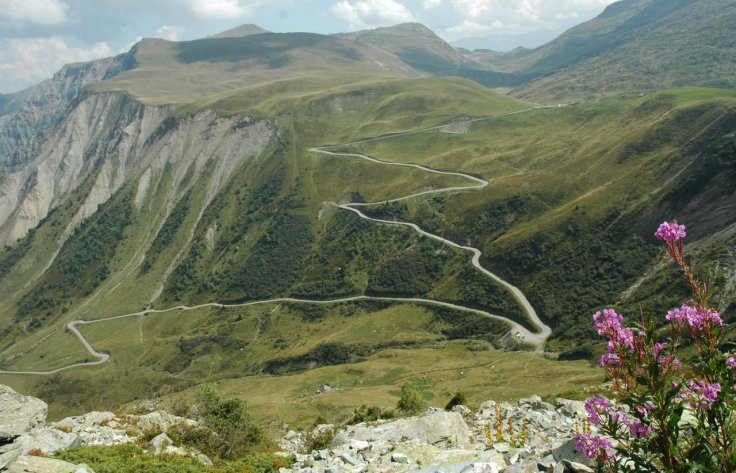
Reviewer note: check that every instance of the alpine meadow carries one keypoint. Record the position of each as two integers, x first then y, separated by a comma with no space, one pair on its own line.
280,239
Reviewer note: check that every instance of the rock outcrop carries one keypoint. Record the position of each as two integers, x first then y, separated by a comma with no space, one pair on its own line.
28,438
19,414
529,436
113,139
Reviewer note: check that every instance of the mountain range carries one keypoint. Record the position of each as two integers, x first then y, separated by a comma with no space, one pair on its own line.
205,175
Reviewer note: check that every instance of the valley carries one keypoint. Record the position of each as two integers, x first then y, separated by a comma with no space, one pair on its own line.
275,211
524,335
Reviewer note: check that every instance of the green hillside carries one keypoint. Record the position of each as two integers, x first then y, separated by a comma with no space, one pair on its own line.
634,46
224,64
223,200
577,191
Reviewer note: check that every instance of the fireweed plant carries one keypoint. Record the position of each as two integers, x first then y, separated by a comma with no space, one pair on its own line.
669,416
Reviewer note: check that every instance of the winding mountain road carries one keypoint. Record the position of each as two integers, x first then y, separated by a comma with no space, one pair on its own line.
535,338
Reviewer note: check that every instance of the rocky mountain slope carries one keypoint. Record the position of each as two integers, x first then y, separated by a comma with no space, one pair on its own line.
530,435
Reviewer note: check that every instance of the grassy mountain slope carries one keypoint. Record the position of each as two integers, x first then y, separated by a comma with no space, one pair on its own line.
268,233
222,64
420,48
633,46
242,30
220,200
578,190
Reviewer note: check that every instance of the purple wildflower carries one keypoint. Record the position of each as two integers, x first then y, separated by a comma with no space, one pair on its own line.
595,407
670,232
595,447
731,362
639,429
695,318
608,323
700,394
609,359
658,347
644,409
669,363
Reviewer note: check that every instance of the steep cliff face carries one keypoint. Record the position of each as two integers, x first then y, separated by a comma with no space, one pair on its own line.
26,117
118,139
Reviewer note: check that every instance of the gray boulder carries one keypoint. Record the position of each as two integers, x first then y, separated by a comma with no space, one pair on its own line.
30,464
159,420
437,427
90,419
19,413
570,408
45,439
7,458
567,451
160,442
577,467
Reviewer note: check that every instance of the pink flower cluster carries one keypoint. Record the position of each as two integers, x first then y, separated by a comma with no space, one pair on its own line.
600,408
695,318
700,394
731,362
608,323
638,427
609,359
595,447
595,407
670,232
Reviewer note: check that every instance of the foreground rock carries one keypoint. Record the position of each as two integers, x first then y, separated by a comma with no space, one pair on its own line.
528,436
447,427
27,438
19,414
43,439
31,464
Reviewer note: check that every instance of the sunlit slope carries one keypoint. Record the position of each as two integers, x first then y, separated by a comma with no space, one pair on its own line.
364,350
166,72
575,192
634,46
274,212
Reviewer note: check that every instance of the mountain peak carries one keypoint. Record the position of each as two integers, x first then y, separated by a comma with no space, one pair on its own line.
247,29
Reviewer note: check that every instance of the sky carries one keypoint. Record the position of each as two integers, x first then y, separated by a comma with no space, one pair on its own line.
37,37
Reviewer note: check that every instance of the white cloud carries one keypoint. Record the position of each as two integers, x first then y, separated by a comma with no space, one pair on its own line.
167,32
427,4
40,12
171,33
371,13
471,29
223,9
516,16
24,62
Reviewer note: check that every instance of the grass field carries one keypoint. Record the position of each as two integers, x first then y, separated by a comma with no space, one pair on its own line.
153,355
445,368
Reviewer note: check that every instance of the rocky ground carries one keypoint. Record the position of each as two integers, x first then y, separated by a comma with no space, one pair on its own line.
26,439
528,436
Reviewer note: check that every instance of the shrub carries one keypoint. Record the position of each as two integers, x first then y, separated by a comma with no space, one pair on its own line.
133,459
458,399
651,431
225,431
410,399
319,439
367,413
